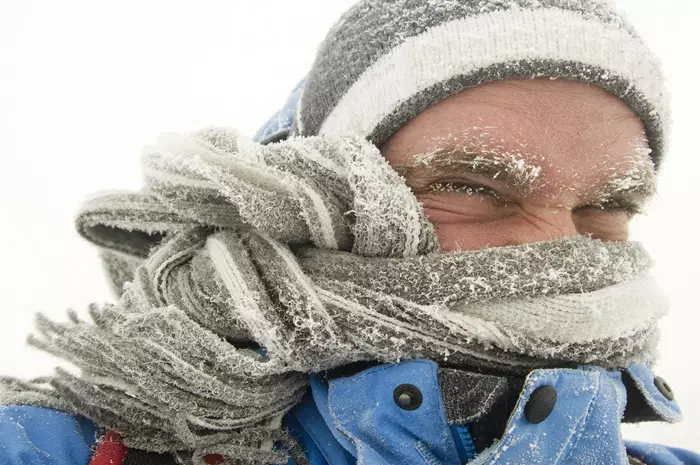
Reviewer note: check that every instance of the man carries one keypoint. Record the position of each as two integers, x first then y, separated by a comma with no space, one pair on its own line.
424,261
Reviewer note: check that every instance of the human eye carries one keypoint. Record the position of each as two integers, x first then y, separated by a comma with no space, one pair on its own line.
607,220
469,189
614,206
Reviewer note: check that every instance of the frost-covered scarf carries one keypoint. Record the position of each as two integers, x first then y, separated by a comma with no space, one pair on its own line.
246,267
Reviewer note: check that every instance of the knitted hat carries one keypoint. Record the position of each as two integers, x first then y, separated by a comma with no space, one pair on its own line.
385,61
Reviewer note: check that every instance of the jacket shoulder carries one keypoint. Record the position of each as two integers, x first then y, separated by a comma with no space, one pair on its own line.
39,435
656,454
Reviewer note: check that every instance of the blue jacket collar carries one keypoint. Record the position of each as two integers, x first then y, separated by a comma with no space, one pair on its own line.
361,416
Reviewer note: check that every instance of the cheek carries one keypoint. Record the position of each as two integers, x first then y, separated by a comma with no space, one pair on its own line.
454,237
454,209
473,223
463,224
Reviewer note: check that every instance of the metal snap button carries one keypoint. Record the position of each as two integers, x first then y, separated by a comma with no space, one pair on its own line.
664,388
408,397
540,404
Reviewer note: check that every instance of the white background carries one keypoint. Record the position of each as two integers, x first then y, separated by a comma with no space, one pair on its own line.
84,85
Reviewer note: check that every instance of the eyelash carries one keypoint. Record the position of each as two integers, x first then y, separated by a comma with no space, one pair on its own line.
469,189
477,189
617,205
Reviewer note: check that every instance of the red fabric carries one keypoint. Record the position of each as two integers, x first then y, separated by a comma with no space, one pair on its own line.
110,450
214,459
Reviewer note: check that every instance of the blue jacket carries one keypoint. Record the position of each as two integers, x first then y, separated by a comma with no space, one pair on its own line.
417,413
561,416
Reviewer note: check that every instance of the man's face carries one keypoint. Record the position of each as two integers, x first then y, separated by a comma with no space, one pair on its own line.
521,161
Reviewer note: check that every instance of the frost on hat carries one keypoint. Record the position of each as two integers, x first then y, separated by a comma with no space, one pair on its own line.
385,61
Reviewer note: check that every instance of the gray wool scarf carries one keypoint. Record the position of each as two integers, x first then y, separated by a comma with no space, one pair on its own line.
315,250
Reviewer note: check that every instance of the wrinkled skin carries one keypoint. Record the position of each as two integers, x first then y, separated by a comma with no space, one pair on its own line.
522,161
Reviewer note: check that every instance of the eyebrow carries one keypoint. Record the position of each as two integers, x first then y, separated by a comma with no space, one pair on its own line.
638,183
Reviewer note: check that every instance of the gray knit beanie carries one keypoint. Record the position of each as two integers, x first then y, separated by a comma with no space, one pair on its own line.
385,61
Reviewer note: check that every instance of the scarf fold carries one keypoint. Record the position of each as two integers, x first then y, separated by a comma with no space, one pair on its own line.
242,268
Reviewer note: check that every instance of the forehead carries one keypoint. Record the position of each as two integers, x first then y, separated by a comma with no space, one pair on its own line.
571,132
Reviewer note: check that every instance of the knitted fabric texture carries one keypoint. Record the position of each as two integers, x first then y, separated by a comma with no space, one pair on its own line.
385,61
315,250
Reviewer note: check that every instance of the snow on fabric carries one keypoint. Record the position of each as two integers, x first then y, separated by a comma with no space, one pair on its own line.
315,250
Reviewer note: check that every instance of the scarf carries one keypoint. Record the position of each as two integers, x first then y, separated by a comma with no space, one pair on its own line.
242,268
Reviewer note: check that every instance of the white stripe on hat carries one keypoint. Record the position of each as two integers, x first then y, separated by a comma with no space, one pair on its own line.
466,45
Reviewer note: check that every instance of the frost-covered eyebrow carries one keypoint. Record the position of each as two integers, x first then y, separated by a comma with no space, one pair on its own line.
639,183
